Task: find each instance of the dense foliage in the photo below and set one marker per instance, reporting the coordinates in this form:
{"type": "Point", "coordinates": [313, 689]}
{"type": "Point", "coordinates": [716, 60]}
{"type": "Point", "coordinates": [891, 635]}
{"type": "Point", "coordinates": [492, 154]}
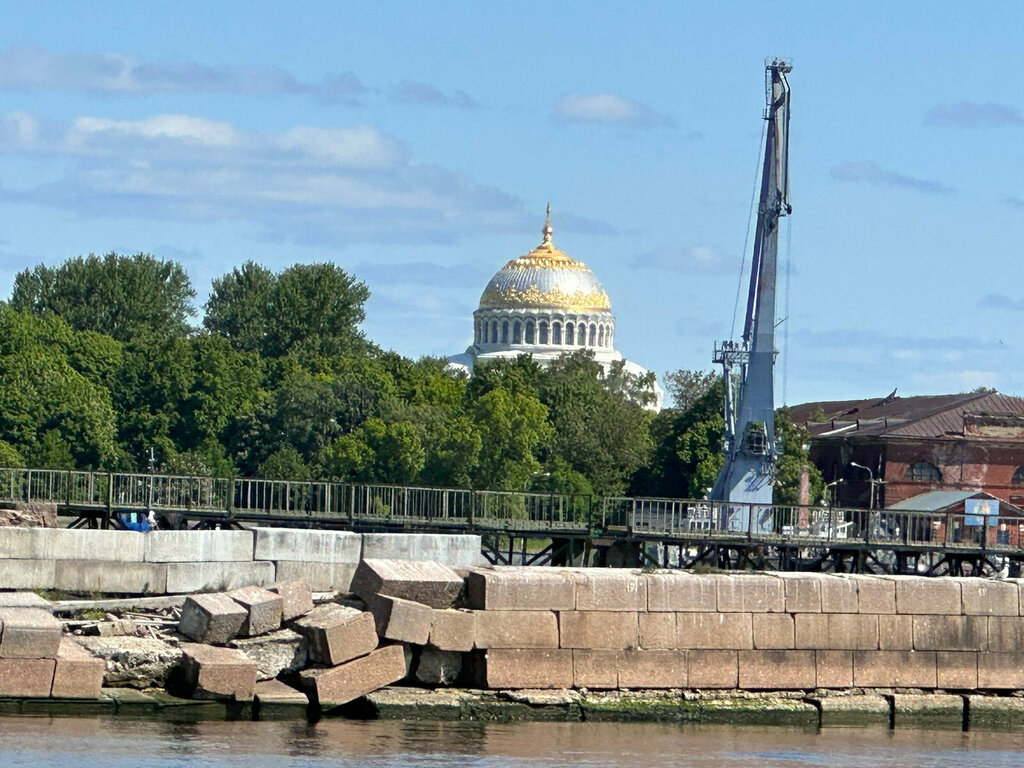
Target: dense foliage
{"type": "Point", "coordinates": [99, 363]}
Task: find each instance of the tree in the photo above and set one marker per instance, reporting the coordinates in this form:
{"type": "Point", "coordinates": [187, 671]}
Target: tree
{"type": "Point", "coordinates": [513, 428]}
{"type": "Point", "coordinates": [125, 297]}
{"type": "Point", "coordinates": [378, 452]}
{"type": "Point", "coordinates": [308, 309]}
{"type": "Point", "coordinates": [792, 462]}
{"type": "Point", "coordinates": [686, 387]}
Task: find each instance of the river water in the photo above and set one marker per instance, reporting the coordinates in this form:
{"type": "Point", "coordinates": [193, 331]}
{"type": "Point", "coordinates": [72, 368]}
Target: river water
{"type": "Point", "coordinates": [90, 743]}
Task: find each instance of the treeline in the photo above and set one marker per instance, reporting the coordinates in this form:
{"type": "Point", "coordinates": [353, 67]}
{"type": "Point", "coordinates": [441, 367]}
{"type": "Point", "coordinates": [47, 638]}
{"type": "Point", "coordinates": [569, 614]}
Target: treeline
{"type": "Point", "coordinates": [103, 359]}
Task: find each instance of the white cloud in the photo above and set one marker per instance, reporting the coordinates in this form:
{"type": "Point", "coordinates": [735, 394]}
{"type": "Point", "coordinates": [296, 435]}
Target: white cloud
{"type": "Point", "coordinates": [175, 127]}
{"type": "Point", "coordinates": [606, 109]}
{"type": "Point", "coordinates": [695, 259]}
{"type": "Point", "coordinates": [362, 147]}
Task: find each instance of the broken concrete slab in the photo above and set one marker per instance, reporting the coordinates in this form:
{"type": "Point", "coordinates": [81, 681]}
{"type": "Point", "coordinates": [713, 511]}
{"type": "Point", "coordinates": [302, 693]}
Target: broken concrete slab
{"type": "Point", "coordinates": [296, 597]}
{"type": "Point", "coordinates": [438, 667]}
{"type": "Point", "coordinates": [280, 652]}
{"type": "Point", "coordinates": [336, 633]}
{"type": "Point", "coordinates": [136, 662]}
{"type": "Point", "coordinates": [212, 618]}
{"type": "Point", "coordinates": [433, 584]}
{"type": "Point", "coordinates": [264, 609]}
{"type": "Point", "coordinates": [210, 672]}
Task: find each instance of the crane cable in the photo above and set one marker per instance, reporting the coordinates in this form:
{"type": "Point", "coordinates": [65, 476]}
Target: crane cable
{"type": "Point", "coordinates": [750, 225]}
{"type": "Point", "coordinates": [785, 317]}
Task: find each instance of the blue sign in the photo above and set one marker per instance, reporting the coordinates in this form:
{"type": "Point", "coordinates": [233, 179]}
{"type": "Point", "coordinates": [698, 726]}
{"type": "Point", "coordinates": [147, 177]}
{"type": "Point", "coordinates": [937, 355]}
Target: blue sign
{"type": "Point", "coordinates": [977, 510]}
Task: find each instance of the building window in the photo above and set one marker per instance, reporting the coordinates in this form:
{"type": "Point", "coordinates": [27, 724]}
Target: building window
{"type": "Point", "coordinates": [924, 472]}
{"type": "Point", "coordinates": [504, 332]}
{"type": "Point", "coordinates": [517, 333]}
{"type": "Point", "coordinates": [600, 336]}
{"type": "Point", "coordinates": [494, 332]}
{"type": "Point", "coordinates": [543, 332]}
{"type": "Point", "coordinates": [1018, 476]}
{"type": "Point", "coordinates": [593, 335]}
{"type": "Point", "coordinates": [570, 339]}
{"type": "Point", "coordinates": [529, 331]}
{"type": "Point", "coordinates": [556, 333]}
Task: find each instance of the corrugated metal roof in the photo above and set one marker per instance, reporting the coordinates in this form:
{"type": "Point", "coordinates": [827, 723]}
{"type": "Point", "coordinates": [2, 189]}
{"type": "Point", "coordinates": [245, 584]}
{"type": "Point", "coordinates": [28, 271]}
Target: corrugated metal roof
{"type": "Point", "coordinates": [932, 501]}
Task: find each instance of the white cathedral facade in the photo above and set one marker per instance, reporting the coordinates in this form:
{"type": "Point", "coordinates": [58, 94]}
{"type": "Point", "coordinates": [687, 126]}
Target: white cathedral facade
{"type": "Point", "coordinates": [545, 304]}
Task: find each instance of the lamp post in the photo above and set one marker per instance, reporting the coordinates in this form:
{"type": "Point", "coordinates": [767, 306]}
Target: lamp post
{"type": "Point", "coordinates": [871, 475]}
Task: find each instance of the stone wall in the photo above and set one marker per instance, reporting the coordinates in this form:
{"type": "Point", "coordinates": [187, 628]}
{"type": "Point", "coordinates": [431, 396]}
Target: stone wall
{"type": "Point", "coordinates": [608, 629]}
{"type": "Point", "coordinates": [174, 562]}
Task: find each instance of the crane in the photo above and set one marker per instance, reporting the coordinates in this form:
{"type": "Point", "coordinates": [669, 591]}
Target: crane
{"type": "Point", "coordinates": [746, 479]}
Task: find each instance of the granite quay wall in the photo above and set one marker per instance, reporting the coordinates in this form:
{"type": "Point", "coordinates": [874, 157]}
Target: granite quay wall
{"type": "Point", "coordinates": [620, 629]}
{"type": "Point", "coordinates": [174, 562]}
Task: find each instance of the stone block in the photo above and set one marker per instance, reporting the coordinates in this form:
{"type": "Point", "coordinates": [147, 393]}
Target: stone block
{"type": "Point", "coordinates": [596, 669]}
{"type": "Point", "coordinates": [432, 584]}
{"type": "Point", "coordinates": [610, 589]}
{"type": "Point", "coordinates": [26, 677]}
{"type": "Point", "coordinates": [874, 594]}
{"type": "Point", "coordinates": [339, 685]}
{"type": "Point", "coordinates": [276, 653]}
{"type": "Point", "coordinates": [777, 670]}
{"type": "Point", "coordinates": [753, 593]}
{"type": "Point", "coordinates": [16, 543]}
{"type": "Point", "coordinates": [78, 674]}
{"type": "Point", "coordinates": [852, 632]}
{"type": "Point", "coordinates": [803, 592]}
{"type": "Point", "coordinates": [712, 669]}
{"type": "Point", "coordinates": [402, 620]}
{"type": "Point", "coordinates": [857, 711]}
{"type": "Point", "coordinates": [211, 577]}
{"type": "Point", "coordinates": [209, 672]}
{"type": "Point", "coordinates": [950, 633]}
{"type": "Point", "coordinates": [96, 544]}
{"type": "Point", "coordinates": [600, 630]}
{"type": "Point", "coordinates": [657, 631]}
{"type": "Point", "coordinates": [680, 591]}
{"type": "Point", "coordinates": [773, 630]}
{"type": "Point", "coordinates": [1005, 634]}
{"type": "Point", "coordinates": [28, 574]}
{"type": "Point", "coordinates": [457, 550]}
{"type": "Point", "coordinates": [452, 630]}
{"type": "Point", "coordinates": [140, 662]}
{"type": "Point", "coordinates": [919, 595]}
{"type": "Point", "coordinates": [264, 609]}
{"type": "Point", "coordinates": [278, 701]}
{"type": "Point", "coordinates": [811, 630]}
{"type": "Point", "coordinates": [198, 546]}
{"type": "Point", "coordinates": [956, 670]}
{"type": "Point", "coordinates": [896, 632]}
{"type": "Point", "coordinates": [724, 631]}
{"type": "Point", "coordinates": [516, 629]}
{"type": "Point", "coordinates": [984, 597]}
{"type": "Point", "coordinates": [520, 589]}
{"type": "Point", "coordinates": [529, 668]}
{"type": "Point", "coordinates": [934, 710]}
{"type": "Point", "coordinates": [894, 669]}
{"type": "Point", "coordinates": [29, 633]}
{"type": "Point", "coordinates": [302, 545]}
{"type": "Point", "coordinates": [321, 577]}
{"type": "Point", "coordinates": [1000, 671]}
{"type": "Point", "coordinates": [833, 669]}
{"type": "Point", "coordinates": [437, 667]}
{"type": "Point", "coordinates": [653, 669]}
{"type": "Point", "coordinates": [89, 576]}
{"type": "Point", "coordinates": [838, 595]}
{"type": "Point", "coordinates": [337, 634]}
{"type": "Point", "coordinates": [296, 598]}
{"type": "Point", "coordinates": [211, 618]}
{"type": "Point", "coordinates": [995, 713]}
{"type": "Point", "coordinates": [24, 600]}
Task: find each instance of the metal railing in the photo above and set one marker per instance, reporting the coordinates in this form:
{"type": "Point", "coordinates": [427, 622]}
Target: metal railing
{"type": "Point", "coordinates": [370, 504]}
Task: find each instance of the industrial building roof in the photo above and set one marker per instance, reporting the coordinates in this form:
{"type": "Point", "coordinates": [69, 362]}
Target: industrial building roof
{"type": "Point", "coordinates": [936, 501]}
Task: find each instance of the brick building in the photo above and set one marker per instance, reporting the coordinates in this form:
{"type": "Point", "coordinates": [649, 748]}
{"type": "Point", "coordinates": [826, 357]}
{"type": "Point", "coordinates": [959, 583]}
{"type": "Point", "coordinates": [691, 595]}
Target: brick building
{"type": "Point", "coordinates": [876, 453]}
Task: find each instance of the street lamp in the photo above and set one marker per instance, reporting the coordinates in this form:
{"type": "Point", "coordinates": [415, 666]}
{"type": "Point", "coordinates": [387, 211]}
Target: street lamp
{"type": "Point", "coordinates": [871, 475]}
{"type": "Point", "coordinates": [833, 484]}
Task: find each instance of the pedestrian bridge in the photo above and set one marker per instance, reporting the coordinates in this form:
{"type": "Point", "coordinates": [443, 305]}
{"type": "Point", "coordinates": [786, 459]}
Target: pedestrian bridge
{"type": "Point", "coordinates": [539, 527]}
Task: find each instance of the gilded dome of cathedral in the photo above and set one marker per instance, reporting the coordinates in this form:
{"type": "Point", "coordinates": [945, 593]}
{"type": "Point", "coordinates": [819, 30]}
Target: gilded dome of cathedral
{"type": "Point", "coordinates": [545, 278]}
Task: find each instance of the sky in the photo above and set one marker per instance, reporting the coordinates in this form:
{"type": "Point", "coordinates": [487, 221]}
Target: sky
{"type": "Point", "coordinates": [416, 145]}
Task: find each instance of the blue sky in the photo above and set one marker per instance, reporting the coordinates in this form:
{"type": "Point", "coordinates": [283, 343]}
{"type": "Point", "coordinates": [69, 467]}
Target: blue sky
{"type": "Point", "coordinates": [416, 145]}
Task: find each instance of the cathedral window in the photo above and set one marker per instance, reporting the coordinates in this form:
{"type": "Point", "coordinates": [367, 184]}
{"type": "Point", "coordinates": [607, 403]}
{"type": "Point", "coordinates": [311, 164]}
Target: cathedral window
{"type": "Point", "coordinates": [924, 472]}
{"type": "Point", "coordinates": [517, 333]}
{"type": "Point", "coordinates": [529, 331]}
{"type": "Point", "coordinates": [556, 333]}
{"type": "Point", "coordinates": [504, 332]}
{"type": "Point", "coordinates": [494, 332]}
{"type": "Point", "coordinates": [569, 338]}
{"type": "Point", "coordinates": [593, 335]}
{"type": "Point", "coordinates": [600, 336]}
{"type": "Point", "coordinates": [543, 332]}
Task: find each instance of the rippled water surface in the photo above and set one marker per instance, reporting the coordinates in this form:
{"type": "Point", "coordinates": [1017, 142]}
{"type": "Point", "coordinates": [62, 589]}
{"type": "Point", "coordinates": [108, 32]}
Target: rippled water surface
{"type": "Point", "coordinates": [85, 743]}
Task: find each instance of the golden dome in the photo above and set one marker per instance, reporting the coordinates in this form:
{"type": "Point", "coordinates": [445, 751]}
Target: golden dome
{"type": "Point", "coordinates": [545, 278]}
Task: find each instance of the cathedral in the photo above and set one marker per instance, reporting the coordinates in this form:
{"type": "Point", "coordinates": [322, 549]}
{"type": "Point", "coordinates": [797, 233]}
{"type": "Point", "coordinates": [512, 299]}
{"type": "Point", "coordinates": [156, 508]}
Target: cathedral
{"type": "Point", "coordinates": [545, 304]}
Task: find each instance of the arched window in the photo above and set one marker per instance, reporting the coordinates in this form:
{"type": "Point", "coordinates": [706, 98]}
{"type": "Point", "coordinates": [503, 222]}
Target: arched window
{"type": "Point", "coordinates": [924, 472]}
{"type": "Point", "coordinates": [570, 339]}
{"type": "Point", "coordinates": [600, 336]}
{"type": "Point", "coordinates": [494, 332]}
{"type": "Point", "coordinates": [1018, 476]}
{"type": "Point", "coordinates": [517, 333]}
{"type": "Point", "coordinates": [556, 333]}
{"type": "Point", "coordinates": [529, 331]}
{"type": "Point", "coordinates": [593, 335]}
{"type": "Point", "coordinates": [504, 332]}
{"type": "Point", "coordinates": [543, 332]}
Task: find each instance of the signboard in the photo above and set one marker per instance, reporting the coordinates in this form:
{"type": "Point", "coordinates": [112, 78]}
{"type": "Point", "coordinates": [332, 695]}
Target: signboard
{"type": "Point", "coordinates": [976, 510]}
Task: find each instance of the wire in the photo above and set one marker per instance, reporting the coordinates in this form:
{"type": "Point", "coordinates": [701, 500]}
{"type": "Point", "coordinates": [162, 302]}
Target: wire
{"type": "Point", "coordinates": [785, 331]}
{"type": "Point", "coordinates": [750, 225]}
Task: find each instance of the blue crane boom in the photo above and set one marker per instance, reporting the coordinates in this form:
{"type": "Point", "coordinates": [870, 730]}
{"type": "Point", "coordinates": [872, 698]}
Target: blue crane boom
{"type": "Point", "coordinates": [747, 477]}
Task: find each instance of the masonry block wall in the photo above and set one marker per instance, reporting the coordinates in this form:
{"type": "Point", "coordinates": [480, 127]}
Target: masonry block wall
{"type": "Point", "coordinates": [598, 628]}
{"type": "Point", "coordinates": [177, 562]}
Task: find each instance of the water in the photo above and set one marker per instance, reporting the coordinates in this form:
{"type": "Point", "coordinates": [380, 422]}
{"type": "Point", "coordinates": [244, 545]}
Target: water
{"type": "Point", "coordinates": [90, 743]}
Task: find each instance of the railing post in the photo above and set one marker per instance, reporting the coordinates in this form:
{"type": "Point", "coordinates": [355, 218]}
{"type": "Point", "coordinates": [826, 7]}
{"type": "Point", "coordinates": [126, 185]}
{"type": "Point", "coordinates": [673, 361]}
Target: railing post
{"type": "Point", "coordinates": [110, 499]}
